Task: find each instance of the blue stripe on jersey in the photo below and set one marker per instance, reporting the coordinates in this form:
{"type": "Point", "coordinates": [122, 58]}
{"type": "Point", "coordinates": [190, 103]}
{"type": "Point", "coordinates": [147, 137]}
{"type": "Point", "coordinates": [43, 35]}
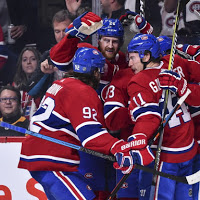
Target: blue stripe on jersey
{"type": "Point", "coordinates": [63, 66]}
{"type": "Point", "coordinates": [194, 110]}
{"type": "Point", "coordinates": [175, 150]}
{"type": "Point", "coordinates": [55, 120]}
{"type": "Point", "coordinates": [149, 108]}
{"type": "Point", "coordinates": [109, 106]}
{"type": "Point", "coordinates": [4, 51]}
{"type": "Point", "coordinates": [88, 129]}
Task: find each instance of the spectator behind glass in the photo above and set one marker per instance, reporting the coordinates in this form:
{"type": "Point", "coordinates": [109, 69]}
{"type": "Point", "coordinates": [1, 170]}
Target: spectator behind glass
{"type": "Point", "coordinates": [60, 22]}
{"type": "Point", "coordinates": [190, 34]}
{"type": "Point", "coordinates": [112, 9]}
{"type": "Point", "coordinates": [10, 107]}
{"type": "Point", "coordinates": [28, 62]}
{"type": "Point", "coordinates": [7, 62]}
{"type": "Point", "coordinates": [23, 15]}
{"type": "Point", "coordinates": [78, 7]}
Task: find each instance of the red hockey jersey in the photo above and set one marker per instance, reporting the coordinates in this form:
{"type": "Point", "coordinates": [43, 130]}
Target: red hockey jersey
{"type": "Point", "coordinates": [72, 112]}
{"type": "Point", "coordinates": [116, 104]}
{"type": "Point", "coordinates": [147, 104]}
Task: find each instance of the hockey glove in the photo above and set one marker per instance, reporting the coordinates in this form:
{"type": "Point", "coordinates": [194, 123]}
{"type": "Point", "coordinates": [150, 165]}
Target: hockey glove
{"type": "Point", "coordinates": [187, 51]}
{"type": "Point", "coordinates": [84, 25]}
{"type": "Point", "coordinates": [137, 141]}
{"type": "Point", "coordinates": [143, 156]}
{"type": "Point", "coordinates": [122, 151]}
{"type": "Point", "coordinates": [123, 157]}
{"type": "Point", "coordinates": [172, 81]}
{"type": "Point", "coordinates": [141, 23]}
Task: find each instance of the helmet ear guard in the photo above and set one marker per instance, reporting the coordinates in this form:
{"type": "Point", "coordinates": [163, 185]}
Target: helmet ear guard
{"type": "Point", "coordinates": [86, 60]}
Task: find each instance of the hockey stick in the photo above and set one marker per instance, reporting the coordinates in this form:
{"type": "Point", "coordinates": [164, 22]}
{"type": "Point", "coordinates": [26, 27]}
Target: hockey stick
{"type": "Point", "coordinates": [142, 6]}
{"type": "Point", "coordinates": [153, 139]}
{"type": "Point", "coordinates": [191, 179]}
{"type": "Point", "coordinates": [197, 14]}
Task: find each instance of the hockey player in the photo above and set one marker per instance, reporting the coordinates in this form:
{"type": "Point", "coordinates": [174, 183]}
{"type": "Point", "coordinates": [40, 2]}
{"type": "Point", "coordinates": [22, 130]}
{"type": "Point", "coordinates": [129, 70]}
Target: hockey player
{"type": "Point", "coordinates": [111, 36]}
{"type": "Point", "coordinates": [188, 52]}
{"type": "Point", "coordinates": [117, 119]}
{"type": "Point", "coordinates": [72, 112]}
{"type": "Point", "coordinates": [178, 147]}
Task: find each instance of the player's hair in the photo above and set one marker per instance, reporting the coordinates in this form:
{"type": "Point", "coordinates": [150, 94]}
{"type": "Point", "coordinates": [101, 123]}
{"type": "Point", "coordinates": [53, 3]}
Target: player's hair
{"type": "Point", "coordinates": [62, 15]}
{"type": "Point", "coordinates": [88, 79]}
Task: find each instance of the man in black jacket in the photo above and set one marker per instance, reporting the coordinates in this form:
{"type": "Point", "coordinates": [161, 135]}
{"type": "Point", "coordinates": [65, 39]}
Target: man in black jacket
{"type": "Point", "coordinates": [10, 107]}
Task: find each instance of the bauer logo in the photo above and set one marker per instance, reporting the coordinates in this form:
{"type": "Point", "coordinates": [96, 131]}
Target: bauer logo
{"type": "Point", "coordinates": [133, 144]}
{"type": "Point", "coordinates": [88, 175]}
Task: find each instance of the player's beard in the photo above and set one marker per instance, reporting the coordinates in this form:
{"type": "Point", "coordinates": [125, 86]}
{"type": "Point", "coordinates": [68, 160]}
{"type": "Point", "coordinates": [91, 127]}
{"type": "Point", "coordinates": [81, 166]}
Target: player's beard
{"type": "Point", "coordinates": [109, 54]}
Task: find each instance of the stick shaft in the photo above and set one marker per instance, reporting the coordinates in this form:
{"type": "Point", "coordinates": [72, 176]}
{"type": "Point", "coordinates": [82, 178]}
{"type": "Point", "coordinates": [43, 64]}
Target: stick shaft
{"type": "Point", "coordinates": [54, 140]}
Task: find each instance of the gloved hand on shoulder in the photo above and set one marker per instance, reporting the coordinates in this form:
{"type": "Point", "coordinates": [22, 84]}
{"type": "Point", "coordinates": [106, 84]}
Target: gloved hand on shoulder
{"type": "Point", "coordinates": [84, 25]}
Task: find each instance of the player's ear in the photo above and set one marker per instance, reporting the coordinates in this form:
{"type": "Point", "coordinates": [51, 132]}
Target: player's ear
{"type": "Point", "coordinates": [146, 57]}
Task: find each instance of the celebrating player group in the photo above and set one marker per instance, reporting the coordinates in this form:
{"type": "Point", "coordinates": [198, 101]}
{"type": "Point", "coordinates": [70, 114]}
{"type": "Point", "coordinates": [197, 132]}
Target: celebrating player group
{"type": "Point", "coordinates": [113, 104]}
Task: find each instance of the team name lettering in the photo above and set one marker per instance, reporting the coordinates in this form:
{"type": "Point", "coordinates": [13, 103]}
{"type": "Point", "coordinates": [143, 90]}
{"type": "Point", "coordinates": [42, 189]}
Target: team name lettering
{"type": "Point", "coordinates": [179, 70]}
{"type": "Point", "coordinates": [54, 89]}
{"type": "Point", "coordinates": [154, 85]}
{"type": "Point", "coordinates": [133, 144]}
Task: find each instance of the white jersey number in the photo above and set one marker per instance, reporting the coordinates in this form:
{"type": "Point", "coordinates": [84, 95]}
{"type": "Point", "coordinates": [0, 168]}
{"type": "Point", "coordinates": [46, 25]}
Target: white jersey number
{"type": "Point", "coordinates": [48, 106]}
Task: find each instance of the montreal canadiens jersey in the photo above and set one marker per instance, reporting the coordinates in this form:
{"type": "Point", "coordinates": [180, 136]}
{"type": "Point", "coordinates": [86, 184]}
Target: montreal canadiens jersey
{"type": "Point", "coordinates": [72, 112]}
{"type": "Point", "coordinates": [116, 104]}
{"type": "Point", "coordinates": [146, 107]}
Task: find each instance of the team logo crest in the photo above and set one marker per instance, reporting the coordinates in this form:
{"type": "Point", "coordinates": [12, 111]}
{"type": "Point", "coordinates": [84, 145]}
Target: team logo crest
{"type": "Point", "coordinates": [95, 52]}
{"type": "Point", "coordinates": [125, 185]}
{"type": "Point", "coordinates": [144, 37]}
{"type": "Point", "coordinates": [160, 39]}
